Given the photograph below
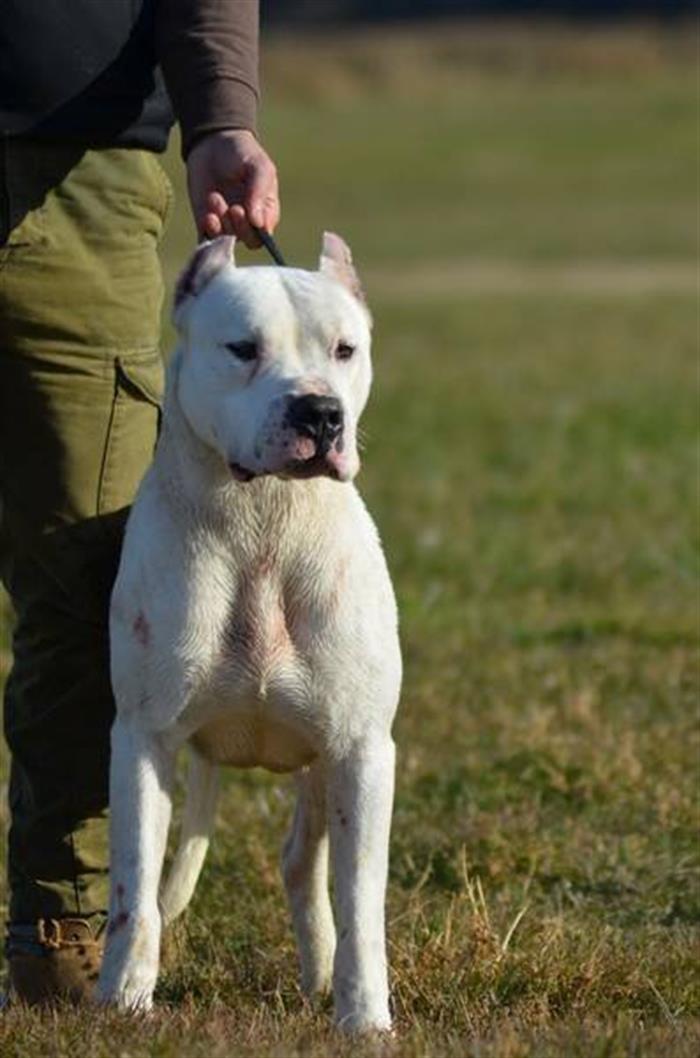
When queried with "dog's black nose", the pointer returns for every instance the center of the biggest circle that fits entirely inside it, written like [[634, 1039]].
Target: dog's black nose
[[318, 417]]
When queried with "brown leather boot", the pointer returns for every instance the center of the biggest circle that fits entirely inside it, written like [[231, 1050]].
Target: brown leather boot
[[55, 959]]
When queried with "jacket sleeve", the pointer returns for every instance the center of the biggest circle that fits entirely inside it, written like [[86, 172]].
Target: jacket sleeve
[[208, 51]]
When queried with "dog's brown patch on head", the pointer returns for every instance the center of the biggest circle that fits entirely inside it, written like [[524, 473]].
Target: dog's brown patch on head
[[208, 259]]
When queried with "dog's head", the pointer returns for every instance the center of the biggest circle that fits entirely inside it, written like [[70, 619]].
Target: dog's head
[[274, 363]]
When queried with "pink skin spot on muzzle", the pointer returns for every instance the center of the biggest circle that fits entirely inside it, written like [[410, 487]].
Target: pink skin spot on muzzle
[[302, 448], [141, 629]]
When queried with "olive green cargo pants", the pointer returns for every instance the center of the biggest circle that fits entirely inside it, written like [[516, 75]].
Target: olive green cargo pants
[[80, 383]]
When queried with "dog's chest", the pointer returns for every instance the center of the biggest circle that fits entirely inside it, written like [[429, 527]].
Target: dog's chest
[[257, 636], [254, 709]]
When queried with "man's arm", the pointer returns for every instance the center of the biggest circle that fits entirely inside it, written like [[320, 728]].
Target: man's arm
[[208, 50]]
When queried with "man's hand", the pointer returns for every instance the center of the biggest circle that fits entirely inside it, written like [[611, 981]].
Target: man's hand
[[232, 183]]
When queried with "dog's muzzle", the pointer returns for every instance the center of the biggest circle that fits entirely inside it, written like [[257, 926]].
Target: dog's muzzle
[[319, 418], [313, 446]]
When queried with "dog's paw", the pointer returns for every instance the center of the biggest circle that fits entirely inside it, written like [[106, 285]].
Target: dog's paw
[[133, 994], [365, 1023]]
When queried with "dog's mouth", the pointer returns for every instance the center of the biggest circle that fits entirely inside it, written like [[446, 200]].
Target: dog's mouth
[[241, 473], [316, 466]]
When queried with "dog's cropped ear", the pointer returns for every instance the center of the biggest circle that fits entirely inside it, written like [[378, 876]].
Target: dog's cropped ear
[[336, 263], [206, 262]]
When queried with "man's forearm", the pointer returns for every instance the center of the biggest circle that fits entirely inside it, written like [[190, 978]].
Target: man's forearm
[[208, 50]]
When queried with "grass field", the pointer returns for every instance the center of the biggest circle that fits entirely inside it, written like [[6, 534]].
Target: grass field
[[522, 206]]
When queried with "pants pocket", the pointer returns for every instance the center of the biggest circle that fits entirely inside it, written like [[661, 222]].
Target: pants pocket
[[133, 428], [167, 193]]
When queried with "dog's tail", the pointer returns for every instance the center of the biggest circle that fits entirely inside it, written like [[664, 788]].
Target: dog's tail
[[197, 820]]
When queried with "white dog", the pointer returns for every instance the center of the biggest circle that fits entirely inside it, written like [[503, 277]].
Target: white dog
[[253, 618]]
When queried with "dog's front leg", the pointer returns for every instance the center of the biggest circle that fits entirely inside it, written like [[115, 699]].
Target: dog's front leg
[[140, 801], [360, 797]]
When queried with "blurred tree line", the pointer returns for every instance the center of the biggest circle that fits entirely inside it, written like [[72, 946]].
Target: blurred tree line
[[378, 10]]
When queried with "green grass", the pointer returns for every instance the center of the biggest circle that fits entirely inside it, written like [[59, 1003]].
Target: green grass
[[531, 460]]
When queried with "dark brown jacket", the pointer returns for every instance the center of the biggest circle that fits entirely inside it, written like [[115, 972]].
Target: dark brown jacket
[[96, 71]]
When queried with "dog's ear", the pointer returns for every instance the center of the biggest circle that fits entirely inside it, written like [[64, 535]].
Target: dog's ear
[[336, 263], [207, 260]]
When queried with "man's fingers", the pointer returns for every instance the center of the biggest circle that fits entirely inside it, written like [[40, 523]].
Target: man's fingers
[[233, 189], [217, 219], [261, 199], [271, 213], [233, 186], [211, 226], [232, 222], [224, 219], [216, 203], [210, 222], [241, 228]]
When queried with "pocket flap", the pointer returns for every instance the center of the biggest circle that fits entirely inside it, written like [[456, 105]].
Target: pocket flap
[[145, 375]]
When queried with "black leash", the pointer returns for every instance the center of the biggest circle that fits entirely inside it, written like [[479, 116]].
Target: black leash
[[270, 245], [267, 241]]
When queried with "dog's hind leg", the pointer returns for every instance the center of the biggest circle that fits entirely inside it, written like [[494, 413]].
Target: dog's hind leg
[[141, 775], [305, 872], [197, 821]]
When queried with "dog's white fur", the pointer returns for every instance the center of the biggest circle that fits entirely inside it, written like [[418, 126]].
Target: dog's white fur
[[253, 618]]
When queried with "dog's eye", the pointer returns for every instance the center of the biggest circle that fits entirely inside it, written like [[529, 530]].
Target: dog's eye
[[344, 350], [243, 350]]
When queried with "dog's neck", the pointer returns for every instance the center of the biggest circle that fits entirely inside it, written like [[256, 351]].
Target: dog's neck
[[195, 479]]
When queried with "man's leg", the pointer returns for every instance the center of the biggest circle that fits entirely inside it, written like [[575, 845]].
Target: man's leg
[[80, 380]]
